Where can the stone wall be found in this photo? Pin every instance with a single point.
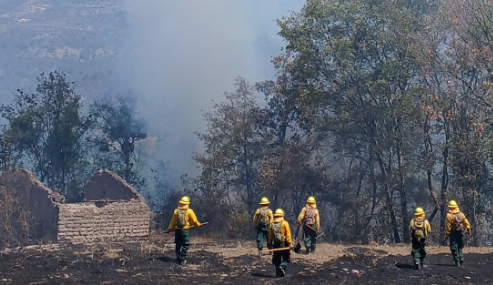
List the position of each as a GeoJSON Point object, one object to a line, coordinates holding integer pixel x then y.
{"type": "Point", "coordinates": [40, 201]}
{"type": "Point", "coordinates": [113, 210]}
{"type": "Point", "coordinates": [106, 185]}
{"type": "Point", "coordinates": [94, 222]}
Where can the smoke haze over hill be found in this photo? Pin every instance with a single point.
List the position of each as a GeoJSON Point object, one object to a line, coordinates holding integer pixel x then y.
{"type": "Point", "coordinates": [184, 54]}
{"type": "Point", "coordinates": [175, 56]}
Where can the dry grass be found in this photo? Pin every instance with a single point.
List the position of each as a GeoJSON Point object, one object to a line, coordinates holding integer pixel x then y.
{"type": "Point", "coordinates": [163, 244]}
{"type": "Point", "coordinates": [326, 252]}
{"type": "Point", "coordinates": [160, 243]}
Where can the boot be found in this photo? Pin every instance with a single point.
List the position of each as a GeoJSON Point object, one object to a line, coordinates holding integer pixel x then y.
{"type": "Point", "coordinates": [307, 250]}
{"type": "Point", "coordinates": [278, 271]}
{"type": "Point", "coordinates": [282, 273]}
{"type": "Point", "coordinates": [423, 264]}
{"type": "Point", "coordinates": [457, 263]}
{"type": "Point", "coordinates": [417, 266]}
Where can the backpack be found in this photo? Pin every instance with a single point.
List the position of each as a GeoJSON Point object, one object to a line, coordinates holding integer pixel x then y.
{"type": "Point", "coordinates": [457, 224]}
{"type": "Point", "coordinates": [310, 216]}
{"type": "Point", "coordinates": [264, 216]}
{"type": "Point", "coordinates": [419, 229]}
{"type": "Point", "coordinates": [276, 229]}
{"type": "Point", "coordinates": [181, 222]}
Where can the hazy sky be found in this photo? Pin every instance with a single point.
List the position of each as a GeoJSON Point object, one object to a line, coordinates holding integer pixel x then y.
{"type": "Point", "coordinates": [184, 54]}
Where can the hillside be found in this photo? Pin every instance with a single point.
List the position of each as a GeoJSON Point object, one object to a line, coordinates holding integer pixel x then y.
{"type": "Point", "coordinates": [81, 38]}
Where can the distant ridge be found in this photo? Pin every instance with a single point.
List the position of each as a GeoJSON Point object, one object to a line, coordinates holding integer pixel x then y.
{"type": "Point", "coordinates": [81, 38]}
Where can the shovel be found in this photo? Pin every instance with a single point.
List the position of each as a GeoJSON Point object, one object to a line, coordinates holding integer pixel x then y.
{"type": "Point", "coordinates": [192, 226]}
{"type": "Point", "coordinates": [313, 229]}
{"type": "Point", "coordinates": [319, 234]}
{"type": "Point", "coordinates": [275, 249]}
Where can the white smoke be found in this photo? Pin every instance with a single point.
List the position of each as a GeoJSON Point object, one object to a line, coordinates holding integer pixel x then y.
{"type": "Point", "coordinates": [183, 54]}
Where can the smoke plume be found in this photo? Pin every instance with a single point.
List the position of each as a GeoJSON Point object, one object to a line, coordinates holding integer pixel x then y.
{"type": "Point", "coordinates": [184, 54]}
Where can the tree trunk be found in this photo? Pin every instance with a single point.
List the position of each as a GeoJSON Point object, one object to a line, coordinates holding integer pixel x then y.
{"type": "Point", "coordinates": [429, 165]}
{"type": "Point", "coordinates": [402, 189]}
{"type": "Point", "coordinates": [388, 195]}
{"type": "Point", "coordinates": [444, 186]}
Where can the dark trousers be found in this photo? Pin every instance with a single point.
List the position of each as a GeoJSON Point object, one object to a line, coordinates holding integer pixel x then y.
{"type": "Point", "coordinates": [418, 251]}
{"type": "Point", "coordinates": [310, 238]}
{"type": "Point", "coordinates": [456, 245]}
{"type": "Point", "coordinates": [281, 258]}
{"type": "Point", "coordinates": [182, 241]}
{"type": "Point", "coordinates": [262, 234]}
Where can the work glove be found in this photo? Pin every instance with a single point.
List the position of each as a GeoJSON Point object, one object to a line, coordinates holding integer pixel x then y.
{"type": "Point", "coordinates": [469, 233]}
{"type": "Point", "coordinates": [269, 246]}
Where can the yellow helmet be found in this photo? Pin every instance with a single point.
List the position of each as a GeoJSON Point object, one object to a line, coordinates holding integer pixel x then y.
{"type": "Point", "coordinates": [185, 200]}
{"type": "Point", "coordinates": [264, 201]}
{"type": "Point", "coordinates": [311, 200]}
{"type": "Point", "coordinates": [419, 211]}
{"type": "Point", "coordinates": [452, 204]}
{"type": "Point", "coordinates": [279, 213]}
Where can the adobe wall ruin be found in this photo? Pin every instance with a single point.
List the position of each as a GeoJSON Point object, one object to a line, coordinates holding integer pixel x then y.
{"type": "Point", "coordinates": [112, 210]}
{"type": "Point", "coordinates": [40, 201]}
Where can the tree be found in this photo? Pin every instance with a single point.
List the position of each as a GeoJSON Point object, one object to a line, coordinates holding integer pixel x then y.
{"type": "Point", "coordinates": [290, 170]}
{"type": "Point", "coordinates": [117, 130]}
{"type": "Point", "coordinates": [234, 146]}
{"type": "Point", "coordinates": [356, 62]}
{"type": "Point", "coordinates": [47, 128]}
{"type": "Point", "coordinates": [458, 76]}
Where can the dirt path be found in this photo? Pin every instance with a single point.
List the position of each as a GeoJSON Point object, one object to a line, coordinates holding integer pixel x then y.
{"type": "Point", "coordinates": [236, 263]}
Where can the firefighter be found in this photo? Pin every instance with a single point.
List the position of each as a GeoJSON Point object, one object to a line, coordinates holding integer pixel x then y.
{"type": "Point", "coordinates": [455, 227]}
{"type": "Point", "coordinates": [279, 237]}
{"type": "Point", "coordinates": [419, 229]}
{"type": "Point", "coordinates": [183, 216]}
{"type": "Point", "coordinates": [310, 219]}
{"type": "Point", "coordinates": [261, 221]}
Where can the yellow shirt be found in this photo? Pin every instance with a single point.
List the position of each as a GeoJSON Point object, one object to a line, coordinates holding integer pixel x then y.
{"type": "Point", "coordinates": [256, 217]}
{"type": "Point", "coordinates": [301, 216]}
{"type": "Point", "coordinates": [427, 225]}
{"type": "Point", "coordinates": [189, 218]}
{"type": "Point", "coordinates": [285, 231]}
{"type": "Point", "coordinates": [450, 218]}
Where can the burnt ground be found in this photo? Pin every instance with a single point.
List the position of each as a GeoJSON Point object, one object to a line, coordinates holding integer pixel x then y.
{"type": "Point", "coordinates": [236, 263]}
